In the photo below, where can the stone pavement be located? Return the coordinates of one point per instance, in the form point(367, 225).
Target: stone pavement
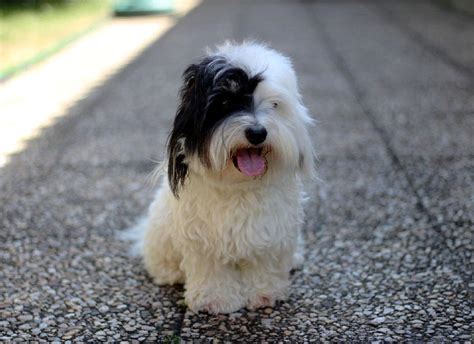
point(390, 227)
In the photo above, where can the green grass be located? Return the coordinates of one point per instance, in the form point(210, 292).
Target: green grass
point(27, 32)
point(174, 339)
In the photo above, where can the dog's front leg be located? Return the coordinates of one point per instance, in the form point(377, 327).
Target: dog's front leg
point(211, 285)
point(266, 280)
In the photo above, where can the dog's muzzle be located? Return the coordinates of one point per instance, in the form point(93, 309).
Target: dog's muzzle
point(251, 160)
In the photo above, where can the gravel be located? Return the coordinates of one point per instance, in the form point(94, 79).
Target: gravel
point(389, 233)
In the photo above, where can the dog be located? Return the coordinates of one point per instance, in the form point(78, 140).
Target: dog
point(227, 219)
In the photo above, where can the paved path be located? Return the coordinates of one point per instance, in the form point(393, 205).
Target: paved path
point(41, 93)
point(390, 228)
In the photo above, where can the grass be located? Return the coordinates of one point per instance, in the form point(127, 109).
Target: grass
point(174, 339)
point(29, 31)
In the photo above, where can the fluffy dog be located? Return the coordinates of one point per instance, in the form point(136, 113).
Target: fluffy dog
point(226, 220)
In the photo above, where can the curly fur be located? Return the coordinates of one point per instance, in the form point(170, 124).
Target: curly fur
point(231, 239)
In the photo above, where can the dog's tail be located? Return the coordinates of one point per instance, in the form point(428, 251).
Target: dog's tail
point(136, 236)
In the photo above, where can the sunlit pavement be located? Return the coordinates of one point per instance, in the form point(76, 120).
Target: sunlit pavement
point(35, 98)
point(389, 229)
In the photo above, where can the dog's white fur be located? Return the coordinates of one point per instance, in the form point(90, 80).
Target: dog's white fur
point(232, 239)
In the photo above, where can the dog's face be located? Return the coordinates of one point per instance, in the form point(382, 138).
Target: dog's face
point(240, 119)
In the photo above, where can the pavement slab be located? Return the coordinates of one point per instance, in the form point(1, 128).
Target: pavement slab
point(64, 273)
point(389, 233)
point(440, 33)
point(422, 115)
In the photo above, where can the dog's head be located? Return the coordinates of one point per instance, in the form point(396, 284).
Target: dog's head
point(240, 118)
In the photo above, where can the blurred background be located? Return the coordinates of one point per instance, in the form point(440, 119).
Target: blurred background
point(88, 92)
point(37, 27)
point(33, 29)
point(103, 35)
point(41, 39)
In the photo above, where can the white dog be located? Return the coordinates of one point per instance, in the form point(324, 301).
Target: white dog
point(226, 221)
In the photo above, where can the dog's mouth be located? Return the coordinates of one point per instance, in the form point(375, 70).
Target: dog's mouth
point(250, 161)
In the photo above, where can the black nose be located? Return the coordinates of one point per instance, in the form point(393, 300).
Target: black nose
point(256, 134)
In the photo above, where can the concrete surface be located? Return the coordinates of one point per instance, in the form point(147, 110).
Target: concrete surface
point(389, 229)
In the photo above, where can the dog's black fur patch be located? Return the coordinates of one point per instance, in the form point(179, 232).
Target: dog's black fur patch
point(212, 90)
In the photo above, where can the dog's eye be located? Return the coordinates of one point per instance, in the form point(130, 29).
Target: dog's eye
point(225, 102)
point(274, 105)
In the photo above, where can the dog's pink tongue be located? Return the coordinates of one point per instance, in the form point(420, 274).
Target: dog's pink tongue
point(250, 162)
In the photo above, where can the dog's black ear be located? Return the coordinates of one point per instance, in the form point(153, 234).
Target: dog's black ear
point(190, 131)
point(181, 140)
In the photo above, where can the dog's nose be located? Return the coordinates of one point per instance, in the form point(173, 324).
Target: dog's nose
point(256, 134)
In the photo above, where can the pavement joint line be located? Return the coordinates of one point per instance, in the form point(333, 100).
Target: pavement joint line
point(238, 35)
point(360, 97)
point(418, 38)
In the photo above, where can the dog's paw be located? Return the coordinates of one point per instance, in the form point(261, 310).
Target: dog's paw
point(260, 301)
point(215, 304)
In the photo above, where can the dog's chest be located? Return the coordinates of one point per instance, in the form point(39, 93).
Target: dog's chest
point(241, 225)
